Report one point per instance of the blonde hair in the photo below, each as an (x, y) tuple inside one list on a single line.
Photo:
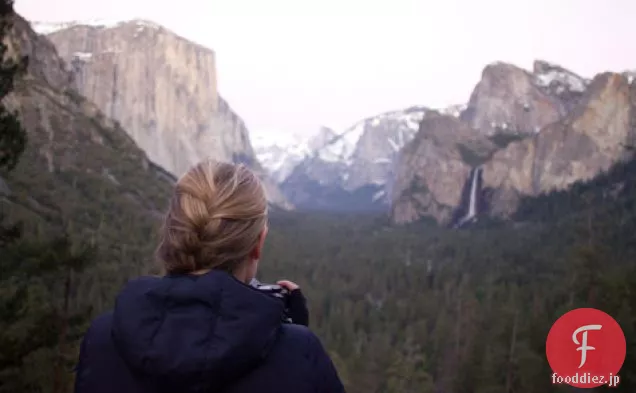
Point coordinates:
[(216, 215)]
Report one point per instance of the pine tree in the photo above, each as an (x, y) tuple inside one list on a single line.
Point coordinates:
[(39, 325)]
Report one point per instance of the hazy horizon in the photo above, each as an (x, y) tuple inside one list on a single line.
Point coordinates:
[(289, 67)]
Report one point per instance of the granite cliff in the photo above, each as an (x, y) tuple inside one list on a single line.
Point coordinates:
[(588, 141), (80, 166), (528, 132), (161, 88), (509, 99), (433, 168)]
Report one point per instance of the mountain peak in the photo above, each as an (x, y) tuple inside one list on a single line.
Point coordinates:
[(499, 66), (514, 99)]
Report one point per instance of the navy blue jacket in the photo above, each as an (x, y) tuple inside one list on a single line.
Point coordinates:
[(208, 334)]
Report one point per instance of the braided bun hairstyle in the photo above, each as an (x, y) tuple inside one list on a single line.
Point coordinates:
[(216, 214)]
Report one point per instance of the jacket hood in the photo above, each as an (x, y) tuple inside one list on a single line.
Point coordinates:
[(194, 333)]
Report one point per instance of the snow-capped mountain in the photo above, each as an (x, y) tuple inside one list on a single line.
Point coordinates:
[(395, 128), (280, 153), (347, 169), (355, 169)]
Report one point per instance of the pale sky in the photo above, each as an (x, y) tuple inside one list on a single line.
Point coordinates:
[(292, 65)]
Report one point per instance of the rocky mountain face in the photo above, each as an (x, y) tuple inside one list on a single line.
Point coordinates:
[(161, 88), (509, 99), (586, 142), (522, 132), (433, 168), (79, 163), (527, 132), (358, 168)]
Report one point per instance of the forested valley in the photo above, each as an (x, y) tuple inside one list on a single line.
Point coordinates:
[(428, 309), (416, 308)]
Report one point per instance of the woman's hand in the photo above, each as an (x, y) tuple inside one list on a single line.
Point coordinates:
[(291, 286), (296, 303)]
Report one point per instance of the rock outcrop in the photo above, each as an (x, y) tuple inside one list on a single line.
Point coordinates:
[(509, 99), (44, 63), (560, 83), (433, 168), (585, 143), (162, 89)]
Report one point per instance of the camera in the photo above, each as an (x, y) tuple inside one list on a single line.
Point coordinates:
[(276, 291), (271, 289)]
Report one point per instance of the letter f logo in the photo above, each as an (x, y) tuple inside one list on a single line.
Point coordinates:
[(584, 347)]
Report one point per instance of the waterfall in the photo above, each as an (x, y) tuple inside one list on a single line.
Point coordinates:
[(473, 198), (472, 206)]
